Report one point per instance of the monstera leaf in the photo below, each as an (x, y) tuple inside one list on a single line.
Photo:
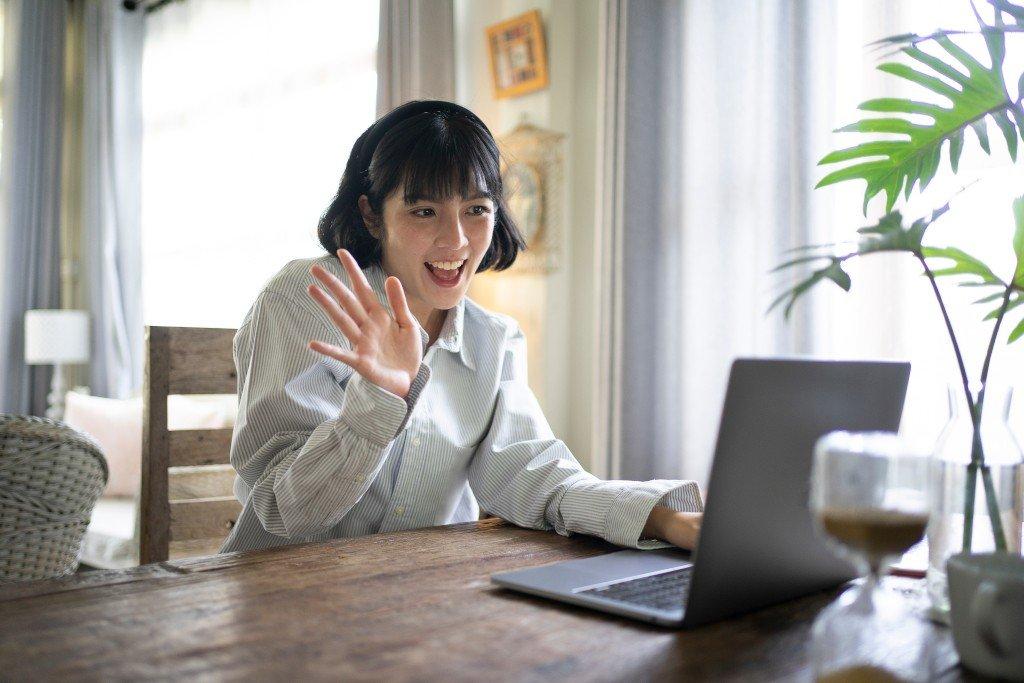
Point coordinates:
[(888, 234), (896, 165), (1007, 296)]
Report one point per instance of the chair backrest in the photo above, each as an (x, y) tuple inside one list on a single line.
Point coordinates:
[(190, 518)]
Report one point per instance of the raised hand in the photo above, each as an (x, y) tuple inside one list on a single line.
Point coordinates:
[(386, 351)]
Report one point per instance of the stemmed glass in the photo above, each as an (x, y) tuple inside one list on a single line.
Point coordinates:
[(869, 498)]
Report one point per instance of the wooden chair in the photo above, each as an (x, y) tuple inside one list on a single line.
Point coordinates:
[(186, 505)]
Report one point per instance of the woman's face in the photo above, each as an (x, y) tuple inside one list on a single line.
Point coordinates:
[(434, 246)]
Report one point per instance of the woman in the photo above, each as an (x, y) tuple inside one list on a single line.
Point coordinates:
[(374, 396)]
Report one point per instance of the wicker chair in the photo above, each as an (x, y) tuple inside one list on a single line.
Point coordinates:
[(50, 479)]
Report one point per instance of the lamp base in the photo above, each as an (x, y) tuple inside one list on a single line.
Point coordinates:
[(55, 399)]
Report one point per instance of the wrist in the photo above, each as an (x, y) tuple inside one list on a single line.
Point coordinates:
[(656, 522)]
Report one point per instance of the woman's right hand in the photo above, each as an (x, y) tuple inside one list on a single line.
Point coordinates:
[(386, 351)]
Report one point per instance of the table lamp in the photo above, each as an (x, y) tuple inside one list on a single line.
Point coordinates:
[(58, 338)]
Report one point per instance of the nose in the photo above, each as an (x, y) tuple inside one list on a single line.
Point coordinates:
[(451, 234)]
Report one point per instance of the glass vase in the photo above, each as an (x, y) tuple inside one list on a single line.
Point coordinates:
[(977, 488)]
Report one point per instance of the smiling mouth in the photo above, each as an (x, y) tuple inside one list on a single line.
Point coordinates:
[(446, 273)]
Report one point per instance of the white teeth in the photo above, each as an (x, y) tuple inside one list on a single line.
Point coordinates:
[(448, 265)]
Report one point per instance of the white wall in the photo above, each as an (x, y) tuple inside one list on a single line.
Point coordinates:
[(569, 106)]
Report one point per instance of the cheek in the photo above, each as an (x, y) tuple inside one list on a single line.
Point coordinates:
[(407, 242), (481, 239)]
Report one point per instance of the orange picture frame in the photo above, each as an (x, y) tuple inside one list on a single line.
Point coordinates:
[(519, 62)]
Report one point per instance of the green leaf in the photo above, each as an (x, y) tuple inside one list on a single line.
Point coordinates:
[(798, 261), (890, 105), (1009, 132), (898, 165), (1016, 333), (1014, 11), (990, 297), (1014, 303), (834, 272), (1018, 240), (980, 130), (956, 145), (888, 234), (963, 264)]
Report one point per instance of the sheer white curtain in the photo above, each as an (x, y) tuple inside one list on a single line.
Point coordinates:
[(109, 173), (416, 55), (715, 115), (250, 109)]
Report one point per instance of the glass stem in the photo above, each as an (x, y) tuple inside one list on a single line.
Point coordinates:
[(865, 598)]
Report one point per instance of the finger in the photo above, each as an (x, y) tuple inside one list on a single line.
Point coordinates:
[(336, 313), (341, 292), (336, 352), (399, 304), (360, 284)]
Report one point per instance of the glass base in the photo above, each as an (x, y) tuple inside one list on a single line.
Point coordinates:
[(870, 633)]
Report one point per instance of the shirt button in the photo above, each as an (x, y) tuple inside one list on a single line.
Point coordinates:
[(416, 441), (399, 510), (359, 477)]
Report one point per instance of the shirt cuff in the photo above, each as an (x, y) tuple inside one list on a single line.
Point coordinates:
[(376, 414), (629, 512)]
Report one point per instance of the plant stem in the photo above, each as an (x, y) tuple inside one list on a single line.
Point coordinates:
[(949, 329), (977, 452), (971, 486)]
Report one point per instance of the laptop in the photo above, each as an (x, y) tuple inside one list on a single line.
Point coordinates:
[(757, 544)]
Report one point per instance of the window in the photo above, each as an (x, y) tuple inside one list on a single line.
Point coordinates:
[(250, 110), (891, 310)]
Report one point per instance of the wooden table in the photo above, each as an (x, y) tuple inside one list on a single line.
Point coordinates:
[(412, 605)]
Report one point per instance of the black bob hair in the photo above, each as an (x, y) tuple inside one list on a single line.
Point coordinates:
[(432, 155)]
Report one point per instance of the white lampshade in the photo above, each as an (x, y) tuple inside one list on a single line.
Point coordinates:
[(56, 336)]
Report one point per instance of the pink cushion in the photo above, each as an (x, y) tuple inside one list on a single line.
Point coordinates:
[(116, 425)]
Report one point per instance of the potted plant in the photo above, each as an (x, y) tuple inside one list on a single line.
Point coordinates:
[(973, 493)]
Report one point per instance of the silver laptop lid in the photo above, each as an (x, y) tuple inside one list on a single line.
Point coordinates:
[(757, 544)]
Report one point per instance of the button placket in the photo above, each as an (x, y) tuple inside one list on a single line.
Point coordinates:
[(409, 471)]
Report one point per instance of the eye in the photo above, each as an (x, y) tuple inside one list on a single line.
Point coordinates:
[(417, 212), (486, 209)]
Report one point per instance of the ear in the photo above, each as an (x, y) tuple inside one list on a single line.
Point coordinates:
[(370, 219)]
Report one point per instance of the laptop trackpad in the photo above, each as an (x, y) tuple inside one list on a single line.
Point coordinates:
[(574, 574)]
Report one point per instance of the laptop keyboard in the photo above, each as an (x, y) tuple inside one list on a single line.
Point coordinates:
[(664, 591)]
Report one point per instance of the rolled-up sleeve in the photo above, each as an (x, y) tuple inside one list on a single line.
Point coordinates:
[(522, 473), (311, 435)]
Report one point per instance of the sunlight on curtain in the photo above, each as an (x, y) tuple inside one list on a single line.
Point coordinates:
[(250, 110), (891, 310)]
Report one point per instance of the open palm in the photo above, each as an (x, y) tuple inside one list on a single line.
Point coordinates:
[(385, 350)]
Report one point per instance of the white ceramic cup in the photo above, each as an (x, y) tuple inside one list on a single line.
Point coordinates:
[(986, 595)]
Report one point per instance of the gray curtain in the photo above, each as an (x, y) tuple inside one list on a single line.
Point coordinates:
[(110, 173), (713, 114), (415, 52), (31, 180)]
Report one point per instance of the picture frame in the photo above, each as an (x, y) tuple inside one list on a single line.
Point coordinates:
[(519, 63), (532, 172)]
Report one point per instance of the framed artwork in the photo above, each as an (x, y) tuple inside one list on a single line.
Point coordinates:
[(519, 62), (532, 174)]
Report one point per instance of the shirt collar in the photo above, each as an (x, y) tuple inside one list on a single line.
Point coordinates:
[(452, 335)]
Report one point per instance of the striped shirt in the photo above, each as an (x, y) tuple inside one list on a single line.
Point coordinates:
[(321, 453)]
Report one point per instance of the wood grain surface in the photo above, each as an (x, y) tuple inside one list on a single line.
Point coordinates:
[(412, 605)]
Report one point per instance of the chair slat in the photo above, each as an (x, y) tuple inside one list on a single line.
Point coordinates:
[(203, 518), (187, 483), (189, 447), (200, 361)]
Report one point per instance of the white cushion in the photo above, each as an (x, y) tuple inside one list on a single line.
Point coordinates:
[(116, 425)]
